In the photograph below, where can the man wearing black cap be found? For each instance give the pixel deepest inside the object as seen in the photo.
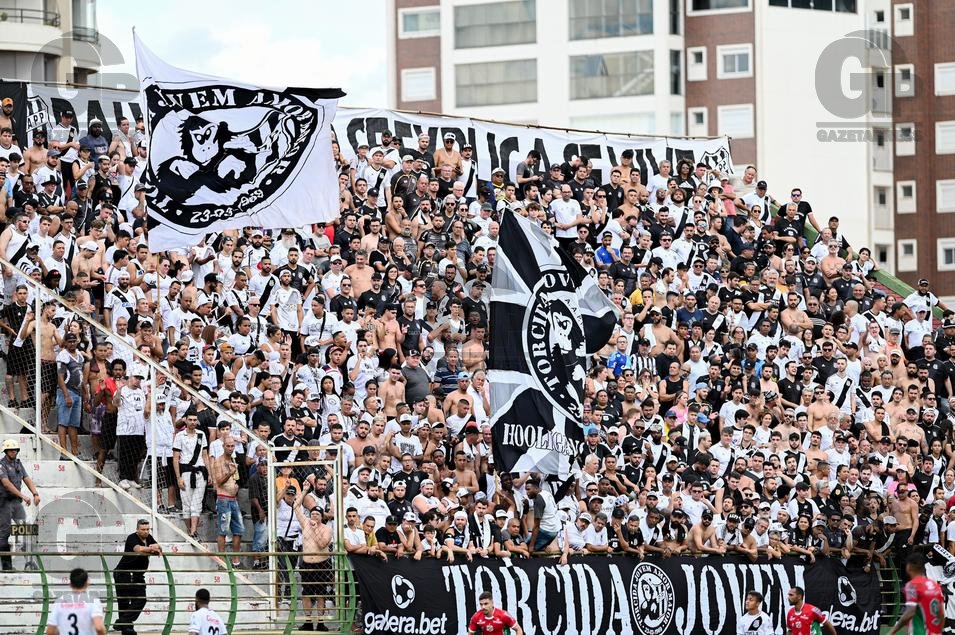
(49, 201)
(35, 156)
(923, 296)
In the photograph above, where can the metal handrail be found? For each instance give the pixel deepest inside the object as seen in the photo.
(344, 596)
(24, 16)
(85, 34)
(184, 537)
(145, 359)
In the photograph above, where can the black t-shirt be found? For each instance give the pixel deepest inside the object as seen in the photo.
(301, 276)
(387, 538)
(137, 562)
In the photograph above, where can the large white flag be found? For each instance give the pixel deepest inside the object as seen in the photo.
(225, 155)
(547, 317)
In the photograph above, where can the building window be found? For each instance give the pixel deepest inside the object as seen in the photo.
(418, 84)
(676, 73)
(905, 139)
(904, 80)
(645, 122)
(591, 19)
(908, 254)
(734, 60)
(882, 214)
(676, 13)
(842, 6)
(946, 254)
(696, 64)
(945, 79)
(718, 5)
(945, 196)
(904, 20)
(423, 22)
(676, 123)
(611, 75)
(735, 121)
(945, 137)
(880, 16)
(881, 254)
(905, 197)
(697, 124)
(493, 83)
(495, 24)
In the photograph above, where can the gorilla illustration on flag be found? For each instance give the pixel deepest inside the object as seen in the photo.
(226, 155)
(547, 316)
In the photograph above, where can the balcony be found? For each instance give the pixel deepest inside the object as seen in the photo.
(29, 16)
(85, 34)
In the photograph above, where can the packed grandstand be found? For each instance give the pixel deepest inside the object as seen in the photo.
(762, 395)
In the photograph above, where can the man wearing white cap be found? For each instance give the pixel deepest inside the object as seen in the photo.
(447, 155)
(458, 539)
(425, 501)
(121, 299)
(915, 329)
(375, 174)
(132, 410)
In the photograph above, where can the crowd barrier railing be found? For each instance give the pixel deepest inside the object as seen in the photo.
(171, 583)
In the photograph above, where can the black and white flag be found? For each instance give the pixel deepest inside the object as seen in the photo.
(226, 155)
(547, 315)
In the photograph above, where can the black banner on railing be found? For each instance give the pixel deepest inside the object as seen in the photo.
(608, 595)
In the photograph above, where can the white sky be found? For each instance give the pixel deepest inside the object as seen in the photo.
(311, 43)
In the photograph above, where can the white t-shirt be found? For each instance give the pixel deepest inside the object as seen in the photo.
(129, 416)
(73, 613)
(594, 537)
(759, 624)
(565, 212)
(205, 621)
(287, 303)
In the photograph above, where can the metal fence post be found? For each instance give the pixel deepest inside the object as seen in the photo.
(153, 477)
(38, 368)
(274, 498)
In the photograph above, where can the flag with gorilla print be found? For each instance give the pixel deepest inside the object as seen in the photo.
(547, 316)
(227, 155)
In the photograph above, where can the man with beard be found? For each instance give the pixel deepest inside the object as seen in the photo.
(121, 299)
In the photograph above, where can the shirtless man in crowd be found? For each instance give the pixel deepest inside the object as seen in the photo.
(318, 576)
(360, 273)
(392, 391)
(49, 340)
(473, 353)
(702, 537)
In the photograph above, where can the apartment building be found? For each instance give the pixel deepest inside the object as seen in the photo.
(923, 55)
(810, 91)
(49, 40)
(611, 65)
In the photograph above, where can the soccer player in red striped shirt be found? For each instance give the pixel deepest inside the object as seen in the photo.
(491, 621)
(803, 617)
(924, 602)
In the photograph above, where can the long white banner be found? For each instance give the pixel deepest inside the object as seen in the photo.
(495, 144)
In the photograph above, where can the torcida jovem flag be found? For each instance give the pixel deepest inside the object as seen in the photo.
(547, 315)
(226, 155)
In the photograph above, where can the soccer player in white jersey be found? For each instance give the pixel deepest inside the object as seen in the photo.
(753, 621)
(76, 612)
(204, 620)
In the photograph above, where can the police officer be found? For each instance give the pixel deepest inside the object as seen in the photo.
(12, 477)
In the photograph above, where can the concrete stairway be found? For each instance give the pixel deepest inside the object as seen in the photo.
(77, 514)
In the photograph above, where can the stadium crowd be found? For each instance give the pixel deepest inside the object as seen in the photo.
(761, 395)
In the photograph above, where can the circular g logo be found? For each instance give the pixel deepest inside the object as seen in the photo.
(856, 47)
